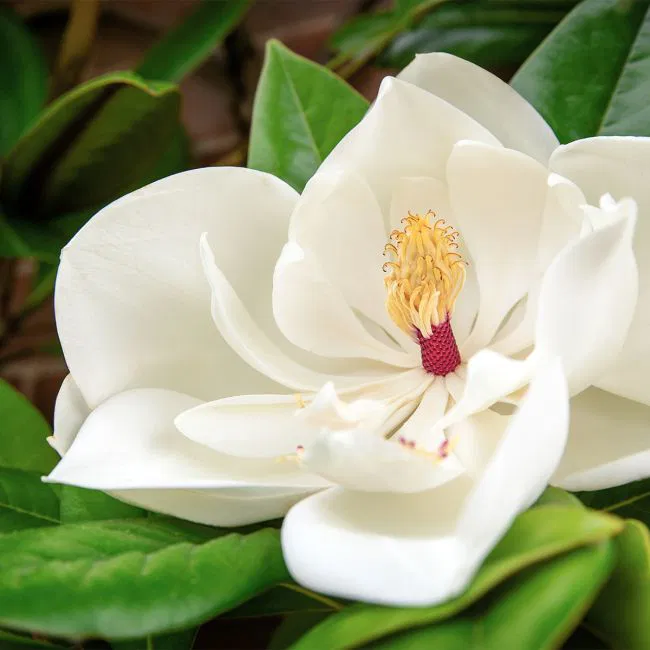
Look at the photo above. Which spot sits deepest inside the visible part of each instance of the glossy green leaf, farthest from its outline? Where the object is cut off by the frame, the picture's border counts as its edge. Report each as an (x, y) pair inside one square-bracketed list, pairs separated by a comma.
[(80, 504), (11, 641), (25, 501), (92, 145), (591, 76), (557, 497), (186, 46), (301, 112), (24, 79), (536, 535), (183, 640), (621, 613), (23, 434), (365, 33), (537, 610), (129, 578), (293, 627), (629, 501)]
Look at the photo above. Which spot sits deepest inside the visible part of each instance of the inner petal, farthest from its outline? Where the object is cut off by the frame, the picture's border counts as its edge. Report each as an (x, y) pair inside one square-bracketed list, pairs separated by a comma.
[(423, 281)]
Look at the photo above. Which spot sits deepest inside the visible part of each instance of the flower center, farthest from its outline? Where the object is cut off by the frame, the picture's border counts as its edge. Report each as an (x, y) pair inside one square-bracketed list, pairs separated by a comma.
[(423, 282)]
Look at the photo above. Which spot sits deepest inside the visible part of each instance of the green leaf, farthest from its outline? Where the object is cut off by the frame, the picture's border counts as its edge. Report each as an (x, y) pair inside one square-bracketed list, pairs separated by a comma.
[(620, 614), (184, 48), (591, 76), (24, 79), (537, 610), (69, 159), (293, 627), (536, 535), (11, 641), (628, 501), (294, 127), (556, 496), (25, 501), (80, 504), (130, 578), (23, 434), (183, 640)]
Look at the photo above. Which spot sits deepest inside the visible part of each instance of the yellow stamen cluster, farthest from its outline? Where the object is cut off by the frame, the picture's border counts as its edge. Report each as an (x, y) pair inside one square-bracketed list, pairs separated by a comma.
[(425, 276)]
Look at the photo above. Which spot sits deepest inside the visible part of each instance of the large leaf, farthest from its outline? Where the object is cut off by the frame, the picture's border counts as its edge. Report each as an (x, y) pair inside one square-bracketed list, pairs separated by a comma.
[(479, 32), (92, 145), (25, 501), (130, 578), (630, 501), (23, 433), (592, 74), (80, 504), (182, 49), (175, 641), (536, 535), (621, 612), (301, 112), (537, 610), (24, 79)]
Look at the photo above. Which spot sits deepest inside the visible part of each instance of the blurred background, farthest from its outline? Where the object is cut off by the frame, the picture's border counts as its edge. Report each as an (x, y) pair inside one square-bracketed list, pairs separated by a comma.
[(198, 65)]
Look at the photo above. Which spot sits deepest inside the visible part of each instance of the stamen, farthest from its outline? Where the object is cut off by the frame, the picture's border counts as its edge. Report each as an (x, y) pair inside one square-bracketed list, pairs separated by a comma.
[(423, 282)]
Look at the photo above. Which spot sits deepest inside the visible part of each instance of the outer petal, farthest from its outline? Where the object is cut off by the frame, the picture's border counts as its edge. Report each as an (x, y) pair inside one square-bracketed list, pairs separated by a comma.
[(421, 549), (313, 314), (609, 442), (587, 300), (620, 166), (407, 132), (490, 101), (498, 197), (70, 411), (129, 446), (132, 303)]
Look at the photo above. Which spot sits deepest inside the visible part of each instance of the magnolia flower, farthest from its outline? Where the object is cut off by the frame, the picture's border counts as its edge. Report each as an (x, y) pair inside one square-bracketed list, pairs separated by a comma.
[(235, 348)]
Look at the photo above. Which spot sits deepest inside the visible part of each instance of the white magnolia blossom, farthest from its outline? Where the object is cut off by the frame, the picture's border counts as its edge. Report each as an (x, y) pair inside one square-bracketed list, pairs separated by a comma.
[(235, 347)]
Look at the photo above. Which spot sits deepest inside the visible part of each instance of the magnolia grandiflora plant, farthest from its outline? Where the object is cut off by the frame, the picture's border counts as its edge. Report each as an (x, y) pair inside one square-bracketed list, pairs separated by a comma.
[(392, 351)]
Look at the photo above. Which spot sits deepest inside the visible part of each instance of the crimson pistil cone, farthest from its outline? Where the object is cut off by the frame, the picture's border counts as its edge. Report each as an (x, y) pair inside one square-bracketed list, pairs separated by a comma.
[(440, 354)]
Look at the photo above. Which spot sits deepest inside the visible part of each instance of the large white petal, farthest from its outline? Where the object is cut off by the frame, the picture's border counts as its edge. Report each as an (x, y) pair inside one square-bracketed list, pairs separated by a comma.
[(70, 411), (338, 219), (422, 549), (498, 197), (609, 442), (521, 466), (620, 166), (486, 98), (132, 303), (313, 314), (407, 132), (418, 195), (587, 300), (130, 443)]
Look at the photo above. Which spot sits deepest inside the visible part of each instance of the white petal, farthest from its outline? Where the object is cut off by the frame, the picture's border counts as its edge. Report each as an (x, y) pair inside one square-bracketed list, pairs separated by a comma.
[(252, 343), (338, 220), (498, 198), (491, 377), (475, 439), (407, 132), (620, 166), (609, 442), (391, 549), (486, 98), (132, 303), (521, 466), (418, 196), (363, 459), (70, 411), (313, 314), (130, 443), (587, 301)]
